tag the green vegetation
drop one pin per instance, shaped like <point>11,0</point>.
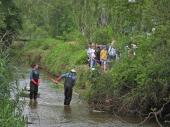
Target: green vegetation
<point>10,22</point>
<point>10,106</point>
<point>56,55</point>
<point>10,109</point>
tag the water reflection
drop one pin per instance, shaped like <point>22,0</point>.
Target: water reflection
<point>67,113</point>
<point>33,104</point>
<point>67,109</point>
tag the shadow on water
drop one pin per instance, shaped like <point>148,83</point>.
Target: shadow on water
<point>49,111</point>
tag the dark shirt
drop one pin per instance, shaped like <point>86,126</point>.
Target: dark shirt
<point>98,54</point>
<point>34,75</point>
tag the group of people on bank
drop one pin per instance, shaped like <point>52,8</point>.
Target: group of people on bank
<point>101,55</point>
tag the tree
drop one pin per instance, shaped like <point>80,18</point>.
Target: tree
<point>61,19</point>
<point>10,23</point>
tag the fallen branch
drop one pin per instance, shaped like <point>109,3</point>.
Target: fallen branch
<point>157,119</point>
<point>146,119</point>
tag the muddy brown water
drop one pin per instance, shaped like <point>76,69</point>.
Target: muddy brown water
<point>49,111</point>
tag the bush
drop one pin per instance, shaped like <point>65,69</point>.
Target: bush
<point>65,56</point>
<point>10,110</point>
<point>74,36</point>
<point>103,35</point>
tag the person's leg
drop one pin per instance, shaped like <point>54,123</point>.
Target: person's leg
<point>99,62</point>
<point>31,91</point>
<point>35,92</point>
<point>94,63</point>
<point>91,63</point>
<point>104,66</point>
<point>109,58</point>
<point>70,90</point>
<point>65,95</point>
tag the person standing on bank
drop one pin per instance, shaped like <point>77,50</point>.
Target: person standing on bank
<point>69,82</point>
<point>34,82</point>
<point>104,57</point>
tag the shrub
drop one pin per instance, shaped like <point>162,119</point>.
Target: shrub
<point>103,35</point>
<point>10,110</point>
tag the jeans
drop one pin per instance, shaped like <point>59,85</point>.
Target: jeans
<point>92,63</point>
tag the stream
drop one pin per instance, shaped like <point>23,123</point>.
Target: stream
<point>49,110</point>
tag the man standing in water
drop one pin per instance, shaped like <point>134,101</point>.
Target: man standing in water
<point>69,82</point>
<point>34,82</point>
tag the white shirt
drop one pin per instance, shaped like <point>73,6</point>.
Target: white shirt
<point>91,53</point>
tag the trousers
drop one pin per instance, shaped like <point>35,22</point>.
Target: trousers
<point>68,94</point>
<point>33,91</point>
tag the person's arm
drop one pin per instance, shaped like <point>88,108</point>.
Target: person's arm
<point>39,81</point>
<point>62,76</point>
<point>59,78</point>
<point>53,80</point>
<point>56,81</point>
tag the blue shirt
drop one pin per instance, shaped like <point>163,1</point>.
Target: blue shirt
<point>36,72</point>
<point>69,75</point>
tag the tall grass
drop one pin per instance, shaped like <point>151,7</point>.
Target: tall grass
<point>10,107</point>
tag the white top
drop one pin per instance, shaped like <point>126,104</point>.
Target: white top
<point>91,53</point>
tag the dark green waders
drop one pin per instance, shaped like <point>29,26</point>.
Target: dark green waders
<point>68,90</point>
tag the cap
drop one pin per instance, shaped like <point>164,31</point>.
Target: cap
<point>73,70</point>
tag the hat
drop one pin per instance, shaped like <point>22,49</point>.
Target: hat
<point>73,70</point>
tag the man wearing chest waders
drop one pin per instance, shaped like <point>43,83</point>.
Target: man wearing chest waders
<point>69,82</point>
<point>34,82</point>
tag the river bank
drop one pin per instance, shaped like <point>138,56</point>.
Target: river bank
<point>10,106</point>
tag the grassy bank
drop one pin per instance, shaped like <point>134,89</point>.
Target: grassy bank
<point>55,55</point>
<point>138,84</point>
<point>10,109</point>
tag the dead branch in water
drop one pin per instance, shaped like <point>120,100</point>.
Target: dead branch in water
<point>155,114</point>
<point>150,116</point>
